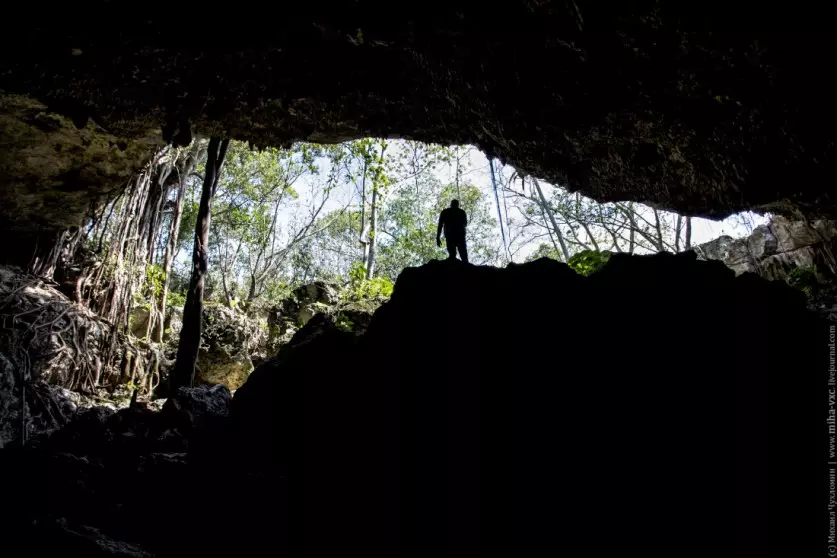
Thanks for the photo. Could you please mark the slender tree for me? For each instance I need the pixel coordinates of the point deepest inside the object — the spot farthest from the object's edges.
(190, 335)
(688, 245)
(548, 210)
(183, 171)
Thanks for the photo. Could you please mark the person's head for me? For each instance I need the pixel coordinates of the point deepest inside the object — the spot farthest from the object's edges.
(454, 203)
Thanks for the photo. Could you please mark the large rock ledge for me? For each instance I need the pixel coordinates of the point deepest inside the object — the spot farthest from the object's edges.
(485, 412)
(53, 171)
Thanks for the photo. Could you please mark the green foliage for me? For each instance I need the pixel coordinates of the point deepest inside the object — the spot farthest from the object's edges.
(544, 251)
(344, 322)
(275, 291)
(155, 278)
(175, 300)
(805, 279)
(588, 261)
(361, 288)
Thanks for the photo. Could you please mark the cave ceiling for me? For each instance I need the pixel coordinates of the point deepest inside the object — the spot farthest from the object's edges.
(611, 100)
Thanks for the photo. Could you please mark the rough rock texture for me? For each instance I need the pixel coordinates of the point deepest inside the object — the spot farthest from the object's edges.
(227, 339)
(173, 323)
(612, 99)
(40, 329)
(775, 249)
(53, 172)
(485, 412)
(356, 316)
(47, 408)
(138, 321)
(310, 301)
(45, 338)
(305, 302)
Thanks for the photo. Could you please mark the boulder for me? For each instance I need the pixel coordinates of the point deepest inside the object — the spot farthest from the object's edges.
(196, 407)
(294, 312)
(356, 316)
(139, 321)
(41, 316)
(173, 323)
(227, 338)
(46, 407)
(304, 303)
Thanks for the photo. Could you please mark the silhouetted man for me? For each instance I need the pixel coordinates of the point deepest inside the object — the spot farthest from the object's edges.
(454, 222)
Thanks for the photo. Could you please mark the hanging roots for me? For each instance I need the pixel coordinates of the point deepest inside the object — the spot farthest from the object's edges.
(48, 337)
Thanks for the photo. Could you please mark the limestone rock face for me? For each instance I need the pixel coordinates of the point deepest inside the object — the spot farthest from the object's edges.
(52, 170)
(139, 320)
(294, 312)
(173, 323)
(227, 339)
(308, 300)
(775, 249)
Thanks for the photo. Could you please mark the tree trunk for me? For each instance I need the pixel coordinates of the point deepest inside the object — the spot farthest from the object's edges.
(373, 213)
(659, 243)
(688, 244)
(362, 235)
(677, 230)
(548, 211)
(190, 335)
(373, 232)
(590, 236)
(174, 231)
(251, 293)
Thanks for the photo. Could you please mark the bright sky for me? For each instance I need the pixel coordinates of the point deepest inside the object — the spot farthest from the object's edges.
(478, 173)
(703, 230)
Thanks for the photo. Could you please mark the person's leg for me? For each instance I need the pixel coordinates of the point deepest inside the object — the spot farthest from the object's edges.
(451, 246)
(463, 251)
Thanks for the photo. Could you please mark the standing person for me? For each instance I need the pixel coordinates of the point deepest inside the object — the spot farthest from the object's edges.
(454, 221)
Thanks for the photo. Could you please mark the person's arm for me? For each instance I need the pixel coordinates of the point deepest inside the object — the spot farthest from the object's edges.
(439, 229)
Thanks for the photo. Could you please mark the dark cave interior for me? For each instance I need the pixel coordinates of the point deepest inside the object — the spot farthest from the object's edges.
(486, 412)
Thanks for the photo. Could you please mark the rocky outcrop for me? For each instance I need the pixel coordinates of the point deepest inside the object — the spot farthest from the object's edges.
(54, 170)
(775, 249)
(318, 299)
(48, 335)
(303, 304)
(46, 338)
(228, 337)
(485, 412)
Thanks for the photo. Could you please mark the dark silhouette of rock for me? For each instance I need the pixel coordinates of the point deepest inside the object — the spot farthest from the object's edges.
(524, 411)
(529, 411)
(192, 407)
